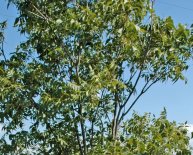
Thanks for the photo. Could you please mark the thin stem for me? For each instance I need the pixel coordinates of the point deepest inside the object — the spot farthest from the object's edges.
(82, 129)
(144, 89)
(78, 139)
(41, 14)
(77, 134)
(92, 134)
(34, 104)
(130, 94)
(2, 51)
(114, 117)
(133, 89)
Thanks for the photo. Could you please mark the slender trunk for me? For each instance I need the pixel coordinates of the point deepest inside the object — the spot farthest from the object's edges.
(83, 137)
(102, 133)
(92, 134)
(114, 122)
(78, 139)
(77, 136)
(82, 129)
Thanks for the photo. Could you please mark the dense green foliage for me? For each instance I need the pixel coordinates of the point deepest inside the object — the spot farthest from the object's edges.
(69, 88)
(147, 136)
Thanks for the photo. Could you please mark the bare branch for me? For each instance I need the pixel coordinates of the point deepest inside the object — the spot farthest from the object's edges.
(131, 77)
(40, 13)
(144, 89)
(133, 89)
(130, 94)
(34, 104)
(2, 51)
(114, 116)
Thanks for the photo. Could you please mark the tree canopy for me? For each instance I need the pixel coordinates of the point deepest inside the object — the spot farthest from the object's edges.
(69, 87)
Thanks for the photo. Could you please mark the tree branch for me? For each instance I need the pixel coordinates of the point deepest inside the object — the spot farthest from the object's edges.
(2, 51)
(82, 129)
(114, 117)
(144, 89)
(34, 104)
(133, 89)
(130, 94)
(41, 15)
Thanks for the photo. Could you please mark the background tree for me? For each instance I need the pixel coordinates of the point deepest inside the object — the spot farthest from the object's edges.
(84, 65)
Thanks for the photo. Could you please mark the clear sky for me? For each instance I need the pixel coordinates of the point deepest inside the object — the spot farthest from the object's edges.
(177, 98)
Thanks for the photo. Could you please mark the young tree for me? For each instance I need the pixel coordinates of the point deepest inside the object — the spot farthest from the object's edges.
(83, 67)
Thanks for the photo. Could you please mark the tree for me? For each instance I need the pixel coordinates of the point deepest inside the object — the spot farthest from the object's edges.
(145, 135)
(69, 87)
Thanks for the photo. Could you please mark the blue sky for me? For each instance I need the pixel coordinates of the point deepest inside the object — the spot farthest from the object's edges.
(177, 98)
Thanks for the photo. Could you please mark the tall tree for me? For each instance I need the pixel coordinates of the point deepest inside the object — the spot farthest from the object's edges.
(69, 87)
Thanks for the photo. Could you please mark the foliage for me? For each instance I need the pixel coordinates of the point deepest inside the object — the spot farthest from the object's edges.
(83, 67)
(148, 136)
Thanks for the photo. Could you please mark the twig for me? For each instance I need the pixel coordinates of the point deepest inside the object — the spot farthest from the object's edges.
(2, 50)
(144, 89)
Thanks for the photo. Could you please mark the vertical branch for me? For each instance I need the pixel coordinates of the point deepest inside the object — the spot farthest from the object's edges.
(82, 149)
(102, 132)
(96, 114)
(78, 139)
(130, 94)
(82, 125)
(114, 118)
(82, 128)
(2, 51)
(92, 134)
(77, 135)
